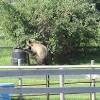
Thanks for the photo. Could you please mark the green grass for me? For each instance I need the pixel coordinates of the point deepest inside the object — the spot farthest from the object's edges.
(56, 97)
(53, 79)
(5, 59)
(5, 56)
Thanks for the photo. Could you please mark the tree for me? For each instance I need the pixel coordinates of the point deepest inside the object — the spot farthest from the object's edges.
(62, 25)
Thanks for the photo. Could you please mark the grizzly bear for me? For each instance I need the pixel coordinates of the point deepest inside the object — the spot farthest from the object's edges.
(38, 50)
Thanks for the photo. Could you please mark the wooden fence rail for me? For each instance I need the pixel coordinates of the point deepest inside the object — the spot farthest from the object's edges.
(67, 90)
(23, 72)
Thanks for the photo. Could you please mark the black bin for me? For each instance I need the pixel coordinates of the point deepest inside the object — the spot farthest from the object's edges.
(20, 54)
(98, 6)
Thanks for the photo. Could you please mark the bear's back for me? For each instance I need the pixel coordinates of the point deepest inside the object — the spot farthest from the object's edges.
(40, 49)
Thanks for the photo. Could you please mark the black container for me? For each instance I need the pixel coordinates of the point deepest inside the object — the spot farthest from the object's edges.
(19, 54)
(98, 6)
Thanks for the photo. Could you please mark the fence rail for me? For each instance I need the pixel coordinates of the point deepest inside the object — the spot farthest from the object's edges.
(51, 67)
(23, 72)
(67, 90)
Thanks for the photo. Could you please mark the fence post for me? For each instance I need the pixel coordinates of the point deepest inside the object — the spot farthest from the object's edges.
(47, 85)
(20, 83)
(61, 81)
(92, 83)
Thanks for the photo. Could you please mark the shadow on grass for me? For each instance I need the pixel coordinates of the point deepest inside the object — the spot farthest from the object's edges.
(78, 58)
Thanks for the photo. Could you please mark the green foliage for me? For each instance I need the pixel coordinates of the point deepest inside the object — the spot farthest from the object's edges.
(62, 25)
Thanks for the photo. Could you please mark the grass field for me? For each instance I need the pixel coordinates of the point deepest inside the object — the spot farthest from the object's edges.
(5, 59)
(38, 80)
(54, 82)
(5, 56)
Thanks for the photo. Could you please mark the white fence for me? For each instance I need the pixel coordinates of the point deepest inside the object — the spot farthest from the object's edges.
(23, 71)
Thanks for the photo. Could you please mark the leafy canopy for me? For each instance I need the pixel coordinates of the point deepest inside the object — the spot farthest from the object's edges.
(62, 25)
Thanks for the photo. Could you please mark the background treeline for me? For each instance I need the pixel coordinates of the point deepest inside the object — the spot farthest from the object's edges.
(67, 27)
